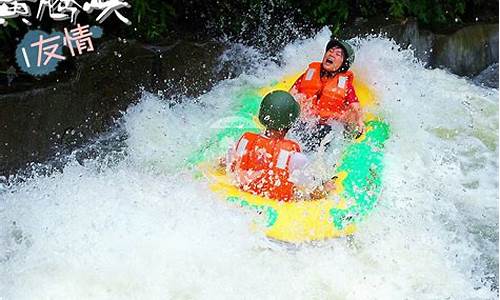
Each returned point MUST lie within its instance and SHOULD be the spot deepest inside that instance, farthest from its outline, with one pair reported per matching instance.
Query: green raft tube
(357, 187)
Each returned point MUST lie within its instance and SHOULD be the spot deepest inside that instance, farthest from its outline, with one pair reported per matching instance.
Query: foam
(143, 227)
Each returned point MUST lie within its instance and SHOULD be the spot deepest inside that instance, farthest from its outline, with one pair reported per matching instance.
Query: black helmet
(348, 52)
(278, 110)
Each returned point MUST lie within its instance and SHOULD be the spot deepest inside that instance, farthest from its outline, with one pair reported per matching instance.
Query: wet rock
(488, 77)
(464, 52)
(467, 51)
(408, 34)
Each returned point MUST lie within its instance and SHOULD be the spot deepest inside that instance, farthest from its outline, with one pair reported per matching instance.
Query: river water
(131, 223)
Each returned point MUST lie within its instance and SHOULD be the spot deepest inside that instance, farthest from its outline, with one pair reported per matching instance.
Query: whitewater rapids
(134, 224)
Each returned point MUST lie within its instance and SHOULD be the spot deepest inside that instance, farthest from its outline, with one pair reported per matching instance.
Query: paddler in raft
(326, 95)
(268, 164)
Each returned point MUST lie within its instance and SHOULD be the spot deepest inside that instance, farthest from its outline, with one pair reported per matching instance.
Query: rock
(488, 77)
(408, 34)
(468, 51)
(465, 52)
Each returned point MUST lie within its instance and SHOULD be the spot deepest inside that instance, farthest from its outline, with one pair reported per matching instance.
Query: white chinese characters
(59, 10)
(79, 38)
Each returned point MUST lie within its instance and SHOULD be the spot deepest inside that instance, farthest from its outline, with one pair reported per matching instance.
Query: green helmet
(348, 52)
(278, 110)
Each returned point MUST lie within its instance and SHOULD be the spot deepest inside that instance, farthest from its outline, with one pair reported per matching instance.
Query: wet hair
(335, 43)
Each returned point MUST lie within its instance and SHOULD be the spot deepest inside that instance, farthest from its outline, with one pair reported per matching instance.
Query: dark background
(156, 19)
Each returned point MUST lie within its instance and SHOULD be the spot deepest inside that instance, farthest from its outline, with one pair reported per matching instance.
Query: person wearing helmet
(263, 164)
(326, 93)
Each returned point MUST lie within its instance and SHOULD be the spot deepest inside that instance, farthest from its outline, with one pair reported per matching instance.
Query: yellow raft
(357, 187)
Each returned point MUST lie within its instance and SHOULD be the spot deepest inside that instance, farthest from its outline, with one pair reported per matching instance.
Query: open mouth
(329, 61)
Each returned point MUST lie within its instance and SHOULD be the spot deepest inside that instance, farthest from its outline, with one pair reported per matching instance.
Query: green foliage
(367, 7)
(8, 33)
(152, 18)
(332, 12)
(429, 12)
(336, 13)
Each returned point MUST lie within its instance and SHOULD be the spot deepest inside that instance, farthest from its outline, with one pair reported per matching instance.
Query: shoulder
(349, 74)
(290, 145)
(249, 135)
(315, 65)
(247, 138)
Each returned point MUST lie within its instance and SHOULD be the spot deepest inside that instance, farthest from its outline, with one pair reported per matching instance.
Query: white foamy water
(144, 228)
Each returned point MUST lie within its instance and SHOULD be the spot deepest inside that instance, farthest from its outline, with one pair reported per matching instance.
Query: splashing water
(143, 227)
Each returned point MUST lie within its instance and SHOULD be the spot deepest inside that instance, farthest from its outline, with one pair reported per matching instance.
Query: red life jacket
(261, 165)
(330, 101)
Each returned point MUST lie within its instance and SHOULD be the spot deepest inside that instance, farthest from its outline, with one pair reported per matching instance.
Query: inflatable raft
(358, 185)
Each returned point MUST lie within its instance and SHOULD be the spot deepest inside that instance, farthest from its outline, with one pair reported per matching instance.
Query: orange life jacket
(261, 165)
(330, 92)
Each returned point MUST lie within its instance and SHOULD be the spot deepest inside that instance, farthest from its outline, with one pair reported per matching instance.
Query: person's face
(333, 59)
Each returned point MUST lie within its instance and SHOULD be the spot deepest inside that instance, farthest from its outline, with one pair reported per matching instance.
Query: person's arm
(323, 190)
(354, 113)
(224, 161)
(357, 112)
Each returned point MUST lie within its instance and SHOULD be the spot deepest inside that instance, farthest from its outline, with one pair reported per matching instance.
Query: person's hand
(221, 165)
(360, 127)
(329, 186)
(323, 190)
(318, 193)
